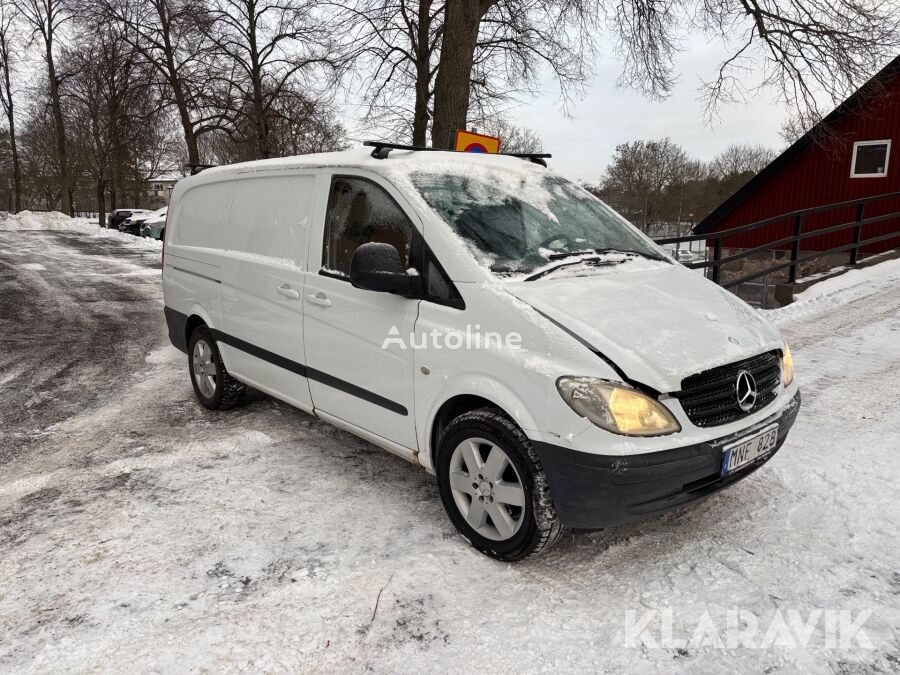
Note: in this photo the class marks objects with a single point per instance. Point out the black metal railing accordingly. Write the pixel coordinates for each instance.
(798, 218)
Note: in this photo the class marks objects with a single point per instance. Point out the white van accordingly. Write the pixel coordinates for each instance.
(484, 318)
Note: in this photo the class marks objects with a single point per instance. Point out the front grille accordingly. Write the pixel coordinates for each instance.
(709, 399)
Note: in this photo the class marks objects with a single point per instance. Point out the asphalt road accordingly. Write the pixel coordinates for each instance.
(76, 314)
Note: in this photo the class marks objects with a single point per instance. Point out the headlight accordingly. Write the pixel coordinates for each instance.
(619, 409)
(787, 365)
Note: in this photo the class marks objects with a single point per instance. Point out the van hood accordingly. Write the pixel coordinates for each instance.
(657, 322)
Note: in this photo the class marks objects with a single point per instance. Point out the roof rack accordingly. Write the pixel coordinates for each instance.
(197, 168)
(381, 150)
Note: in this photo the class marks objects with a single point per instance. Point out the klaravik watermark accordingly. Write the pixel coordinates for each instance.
(739, 628)
(470, 338)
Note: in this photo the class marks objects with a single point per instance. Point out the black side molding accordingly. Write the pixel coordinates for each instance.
(259, 352)
(177, 323)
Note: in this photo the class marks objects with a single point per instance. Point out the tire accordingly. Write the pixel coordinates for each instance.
(524, 530)
(213, 386)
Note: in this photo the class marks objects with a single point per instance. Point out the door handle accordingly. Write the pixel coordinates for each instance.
(288, 292)
(319, 299)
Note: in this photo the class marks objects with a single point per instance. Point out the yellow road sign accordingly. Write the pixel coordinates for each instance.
(467, 141)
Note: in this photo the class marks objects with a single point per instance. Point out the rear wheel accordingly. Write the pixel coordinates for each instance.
(214, 387)
(493, 487)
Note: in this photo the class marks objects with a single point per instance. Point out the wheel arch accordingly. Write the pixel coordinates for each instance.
(193, 322)
(455, 404)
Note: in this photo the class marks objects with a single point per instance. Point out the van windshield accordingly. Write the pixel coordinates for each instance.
(515, 224)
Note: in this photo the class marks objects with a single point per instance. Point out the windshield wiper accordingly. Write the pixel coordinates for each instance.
(633, 251)
(591, 256)
(569, 254)
(509, 271)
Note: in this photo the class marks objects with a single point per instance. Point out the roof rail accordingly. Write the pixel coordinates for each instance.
(197, 168)
(381, 150)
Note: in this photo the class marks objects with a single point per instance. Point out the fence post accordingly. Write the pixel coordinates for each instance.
(795, 249)
(857, 233)
(717, 257)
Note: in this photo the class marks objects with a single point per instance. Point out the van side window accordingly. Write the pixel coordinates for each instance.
(359, 211)
(269, 218)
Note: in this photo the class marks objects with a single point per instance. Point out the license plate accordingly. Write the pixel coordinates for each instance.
(747, 450)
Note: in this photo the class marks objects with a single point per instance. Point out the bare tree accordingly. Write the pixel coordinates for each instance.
(519, 38)
(397, 50)
(513, 139)
(37, 143)
(273, 47)
(171, 36)
(738, 159)
(119, 134)
(808, 51)
(9, 44)
(641, 176)
(296, 126)
(462, 21)
(388, 48)
(814, 53)
(47, 18)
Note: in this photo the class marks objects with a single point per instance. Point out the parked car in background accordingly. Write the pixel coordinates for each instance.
(117, 216)
(132, 224)
(154, 224)
(683, 256)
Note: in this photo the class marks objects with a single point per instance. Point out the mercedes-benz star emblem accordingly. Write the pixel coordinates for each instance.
(745, 391)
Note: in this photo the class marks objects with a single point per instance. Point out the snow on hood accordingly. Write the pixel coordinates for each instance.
(657, 322)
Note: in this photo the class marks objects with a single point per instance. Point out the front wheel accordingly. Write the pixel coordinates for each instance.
(214, 387)
(493, 487)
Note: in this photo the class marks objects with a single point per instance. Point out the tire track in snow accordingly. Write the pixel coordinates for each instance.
(68, 342)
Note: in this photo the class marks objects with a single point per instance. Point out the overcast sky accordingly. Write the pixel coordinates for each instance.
(608, 115)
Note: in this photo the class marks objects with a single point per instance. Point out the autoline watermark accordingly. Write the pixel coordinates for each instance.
(790, 629)
(470, 338)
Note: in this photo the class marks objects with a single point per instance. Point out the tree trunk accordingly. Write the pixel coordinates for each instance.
(262, 129)
(101, 204)
(259, 109)
(62, 157)
(423, 74)
(13, 147)
(190, 138)
(184, 115)
(451, 88)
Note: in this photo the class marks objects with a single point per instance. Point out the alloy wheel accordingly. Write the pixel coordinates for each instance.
(487, 489)
(204, 368)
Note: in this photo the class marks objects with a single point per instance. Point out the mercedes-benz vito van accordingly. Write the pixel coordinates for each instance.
(484, 318)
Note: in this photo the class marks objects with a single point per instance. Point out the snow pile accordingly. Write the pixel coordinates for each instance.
(60, 222)
(853, 285)
(49, 220)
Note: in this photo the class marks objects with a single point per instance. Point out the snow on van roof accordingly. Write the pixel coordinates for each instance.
(399, 162)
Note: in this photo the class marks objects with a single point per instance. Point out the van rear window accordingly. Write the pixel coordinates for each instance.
(203, 214)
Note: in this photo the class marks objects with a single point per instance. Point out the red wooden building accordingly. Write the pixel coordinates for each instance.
(853, 153)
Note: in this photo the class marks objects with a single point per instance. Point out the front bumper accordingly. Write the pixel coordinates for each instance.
(593, 491)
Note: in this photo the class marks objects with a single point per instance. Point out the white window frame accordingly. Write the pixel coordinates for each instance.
(887, 159)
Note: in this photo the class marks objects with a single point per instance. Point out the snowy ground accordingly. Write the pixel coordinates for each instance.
(140, 532)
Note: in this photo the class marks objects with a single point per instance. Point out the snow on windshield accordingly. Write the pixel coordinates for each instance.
(515, 221)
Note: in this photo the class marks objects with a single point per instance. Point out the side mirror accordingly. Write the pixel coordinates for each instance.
(378, 267)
